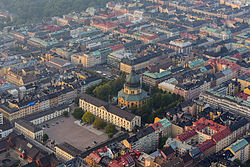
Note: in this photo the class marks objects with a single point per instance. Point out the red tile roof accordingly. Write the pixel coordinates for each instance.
(221, 131)
(94, 156)
(242, 95)
(206, 145)
(221, 135)
(187, 135)
(148, 37)
(156, 125)
(127, 159)
(116, 47)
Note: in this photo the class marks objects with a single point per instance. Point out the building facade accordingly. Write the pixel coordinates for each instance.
(109, 113)
(67, 151)
(28, 129)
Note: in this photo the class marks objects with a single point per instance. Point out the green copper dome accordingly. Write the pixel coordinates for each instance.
(133, 80)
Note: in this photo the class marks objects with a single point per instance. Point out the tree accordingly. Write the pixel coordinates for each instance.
(110, 135)
(110, 130)
(78, 112)
(77, 101)
(27, 11)
(16, 163)
(223, 50)
(90, 90)
(65, 113)
(109, 88)
(45, 137)
(88, 117)
(53, 142)
(238, 162)
(162, 142)
(7, 155)
(99, 123)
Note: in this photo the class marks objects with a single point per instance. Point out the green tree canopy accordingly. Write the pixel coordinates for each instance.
(45, 137)
(65, 113)
(99, 123)
(110, 130)
(78, 112)
(34, 10)
(88, 117)
(110, 88)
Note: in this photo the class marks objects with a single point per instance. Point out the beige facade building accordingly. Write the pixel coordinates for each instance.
(67, 151)
(28, 129)
(109, 113)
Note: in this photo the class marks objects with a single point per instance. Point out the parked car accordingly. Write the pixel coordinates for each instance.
(87, 147)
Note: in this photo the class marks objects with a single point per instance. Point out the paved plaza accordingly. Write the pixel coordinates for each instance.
(67, 131)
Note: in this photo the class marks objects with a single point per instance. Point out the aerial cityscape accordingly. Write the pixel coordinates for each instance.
(125, 83)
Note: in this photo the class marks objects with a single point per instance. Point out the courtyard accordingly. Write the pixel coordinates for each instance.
(63, 129)
(14, 156)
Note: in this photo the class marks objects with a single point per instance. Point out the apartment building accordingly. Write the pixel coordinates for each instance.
(15, 110)
(145, 140)
(209, 136)
(228, 103)
(181, 46)
(240, 150)
(109, 113)
(18, 78)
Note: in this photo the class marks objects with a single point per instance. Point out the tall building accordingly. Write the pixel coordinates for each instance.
(132, 95)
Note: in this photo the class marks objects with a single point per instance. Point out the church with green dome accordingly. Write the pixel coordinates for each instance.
(132, 95)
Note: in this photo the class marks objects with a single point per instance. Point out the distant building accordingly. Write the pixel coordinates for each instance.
(154, 78)
(60, 64)
(181, 46)
(228, 103)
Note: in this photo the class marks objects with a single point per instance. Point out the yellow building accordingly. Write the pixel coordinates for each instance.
(13, 111)
(28, 129)
(244, 81)
(176, 130)
(247, 90)
(109, 113)
(20, 77)
(67, 151)
(132, 96)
